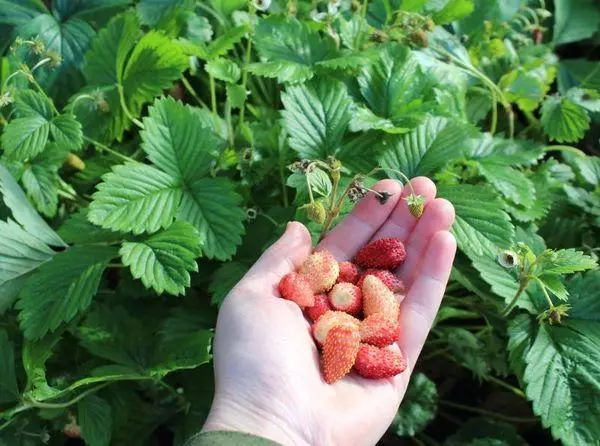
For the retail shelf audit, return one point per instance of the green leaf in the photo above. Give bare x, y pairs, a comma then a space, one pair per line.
226, 41
236, 95
155, 63
586, 98
288, 49
553, 284
224, 70
316, 116
177, 140
42, 186
364, 119
163, 260
23, 212
453, 10
483, 431
89, 10
574, 72
574, 20
426, 149
481, 225
213, 206
510, 182
30, 103
67, 133
61, 288
418, 408
566, 261
94, 416
468, 350
563, 120
19, 12
395, 87
25, 138
589, 168
9, 389
135, 197
151, 12
224, 279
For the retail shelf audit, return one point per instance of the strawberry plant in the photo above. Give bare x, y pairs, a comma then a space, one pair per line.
151, 149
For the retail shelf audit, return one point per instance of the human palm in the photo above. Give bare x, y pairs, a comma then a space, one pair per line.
267, 372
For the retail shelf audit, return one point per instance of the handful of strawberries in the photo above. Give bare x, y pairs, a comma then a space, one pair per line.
355, 316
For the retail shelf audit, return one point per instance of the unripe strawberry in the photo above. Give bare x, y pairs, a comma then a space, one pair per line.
377, 363
329, 320
349, 272
75, 162
321, 270
384, 253
295, 287
320, 307
391, 281
346, 297
377, 298
416, 204
316, 212
339, 352
379, 330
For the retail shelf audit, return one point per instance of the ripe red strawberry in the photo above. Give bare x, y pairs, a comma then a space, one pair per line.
346, 297
379, 330
349, 272
296, 288
387, 277
384, 253
321, 270
320, 307
377, 298
339, 352
376, 363
328, 321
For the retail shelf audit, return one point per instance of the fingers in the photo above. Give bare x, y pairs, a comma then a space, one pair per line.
284, 256
401, 222
418, 310
438, 216
365, 219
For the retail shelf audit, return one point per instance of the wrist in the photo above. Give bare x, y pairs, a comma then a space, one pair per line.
226, 415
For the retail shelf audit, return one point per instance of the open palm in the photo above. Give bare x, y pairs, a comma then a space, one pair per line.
268, 378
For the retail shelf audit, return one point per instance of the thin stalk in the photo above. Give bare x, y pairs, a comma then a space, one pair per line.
191, 91
125, 109
435, 353
283, 186
545, 291
561, 148
108, 149
494, 113
245, 77
310, 194
533, 121
202, 5
513, 302
501, 383
229, 125
213, 94
488, 413
336, 211
511, 122
590, 75
79, 397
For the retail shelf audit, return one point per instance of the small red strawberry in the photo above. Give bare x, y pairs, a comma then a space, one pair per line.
328, 321
320, 307
346, 297
387, 277
379, 330
296, 288
376, 363
384, 253
349, 272
377, 298
339, 352
321, 270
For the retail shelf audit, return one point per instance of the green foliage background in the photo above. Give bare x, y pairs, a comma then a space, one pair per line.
144, 148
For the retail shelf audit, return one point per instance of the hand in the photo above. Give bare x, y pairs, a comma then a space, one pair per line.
267, 372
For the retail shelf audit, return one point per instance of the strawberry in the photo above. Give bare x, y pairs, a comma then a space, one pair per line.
377, 298
321, 270
329, 320
320, 307
387, 277
296, 288
339, 352
348, 272
384, 253
346, 297
72, 430
379, 330
376, 363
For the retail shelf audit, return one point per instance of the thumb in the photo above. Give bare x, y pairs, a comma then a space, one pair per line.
286, 254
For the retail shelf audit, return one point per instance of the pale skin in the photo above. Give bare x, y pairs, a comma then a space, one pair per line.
267, 372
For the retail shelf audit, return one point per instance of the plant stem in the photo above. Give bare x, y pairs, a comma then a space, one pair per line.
125, 109
488, 413
511, 122
108, 149
545, 291
213, 94
561, 148
283, 186
533, 121
513, 302
191, 90
494, 114
229, 126
437, 352
79, 397
245, 77
332, 215
507, 386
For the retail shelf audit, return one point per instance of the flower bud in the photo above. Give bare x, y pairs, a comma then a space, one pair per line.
508, 259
